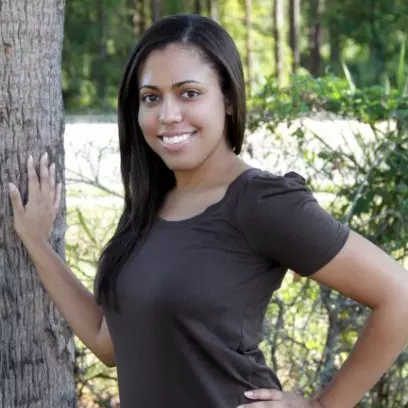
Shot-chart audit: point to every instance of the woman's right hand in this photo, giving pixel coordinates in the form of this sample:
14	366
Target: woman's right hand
35	220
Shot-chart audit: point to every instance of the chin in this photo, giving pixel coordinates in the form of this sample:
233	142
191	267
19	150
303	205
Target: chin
187	164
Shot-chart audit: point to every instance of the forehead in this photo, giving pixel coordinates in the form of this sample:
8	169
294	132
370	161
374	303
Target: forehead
175	63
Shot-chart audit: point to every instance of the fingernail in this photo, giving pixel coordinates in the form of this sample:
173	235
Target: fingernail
45	155
249	393
12	187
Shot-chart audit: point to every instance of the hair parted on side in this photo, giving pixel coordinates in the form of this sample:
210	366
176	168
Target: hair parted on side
146	178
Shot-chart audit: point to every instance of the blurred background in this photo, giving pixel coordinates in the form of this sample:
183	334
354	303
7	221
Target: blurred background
327	87
275	37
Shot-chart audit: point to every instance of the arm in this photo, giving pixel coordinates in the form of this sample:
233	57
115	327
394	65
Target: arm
33	223
282	220
73	300
366	274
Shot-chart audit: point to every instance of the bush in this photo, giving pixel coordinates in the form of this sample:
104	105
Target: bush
364	171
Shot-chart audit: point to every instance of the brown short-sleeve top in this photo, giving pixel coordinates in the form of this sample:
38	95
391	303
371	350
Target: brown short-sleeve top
193	297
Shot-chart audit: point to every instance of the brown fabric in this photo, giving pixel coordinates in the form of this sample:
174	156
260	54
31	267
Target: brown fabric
193	298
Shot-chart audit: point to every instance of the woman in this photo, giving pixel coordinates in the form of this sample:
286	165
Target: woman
203	242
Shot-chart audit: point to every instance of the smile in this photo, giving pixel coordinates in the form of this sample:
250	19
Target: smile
176	141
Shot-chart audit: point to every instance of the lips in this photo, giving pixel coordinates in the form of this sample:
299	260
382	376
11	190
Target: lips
175	141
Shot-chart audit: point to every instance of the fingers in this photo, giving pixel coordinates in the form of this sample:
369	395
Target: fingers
33	183
265	395
44	175
262	395
57	201
52	182
15	198
46	184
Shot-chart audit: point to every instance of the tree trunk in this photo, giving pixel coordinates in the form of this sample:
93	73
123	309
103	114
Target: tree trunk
335	48
294	24
316	34
100	65
37	350
142	17
278	35
248	54
212	6
156	10
137	17
197	6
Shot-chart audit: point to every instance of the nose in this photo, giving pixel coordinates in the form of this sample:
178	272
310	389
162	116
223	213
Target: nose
170	112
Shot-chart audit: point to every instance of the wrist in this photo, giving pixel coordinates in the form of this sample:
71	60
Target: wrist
35	244
319	403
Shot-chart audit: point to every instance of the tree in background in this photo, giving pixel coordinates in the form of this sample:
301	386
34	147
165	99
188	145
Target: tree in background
248	48
156	10
316	8
294	25
314	35
213	9
36	352
278	16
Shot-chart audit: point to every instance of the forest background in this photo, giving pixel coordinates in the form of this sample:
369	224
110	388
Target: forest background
328	97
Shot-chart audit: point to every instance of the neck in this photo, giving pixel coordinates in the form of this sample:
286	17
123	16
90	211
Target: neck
212	170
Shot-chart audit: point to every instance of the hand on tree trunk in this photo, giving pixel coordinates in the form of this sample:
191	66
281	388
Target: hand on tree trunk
35	220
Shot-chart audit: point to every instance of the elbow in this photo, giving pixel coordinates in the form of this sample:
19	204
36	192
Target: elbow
105	356
108	361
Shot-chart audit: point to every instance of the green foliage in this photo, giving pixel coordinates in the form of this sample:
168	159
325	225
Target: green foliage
97	44
90	228
99	37
365	172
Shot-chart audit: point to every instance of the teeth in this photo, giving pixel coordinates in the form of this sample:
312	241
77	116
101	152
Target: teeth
176	139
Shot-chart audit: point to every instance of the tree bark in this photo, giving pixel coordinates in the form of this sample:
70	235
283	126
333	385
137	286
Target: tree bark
278	36
294	24
248	54
36	345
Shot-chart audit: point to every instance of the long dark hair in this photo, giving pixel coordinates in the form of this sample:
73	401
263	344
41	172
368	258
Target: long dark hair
146	179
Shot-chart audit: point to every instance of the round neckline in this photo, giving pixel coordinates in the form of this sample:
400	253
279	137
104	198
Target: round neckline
163	223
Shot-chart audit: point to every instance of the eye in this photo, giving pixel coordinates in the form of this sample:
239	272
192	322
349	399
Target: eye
149	98
190	93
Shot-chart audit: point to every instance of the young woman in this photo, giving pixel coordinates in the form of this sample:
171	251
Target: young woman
203	242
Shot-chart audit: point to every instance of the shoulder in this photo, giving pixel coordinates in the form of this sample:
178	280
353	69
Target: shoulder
264	187
281	218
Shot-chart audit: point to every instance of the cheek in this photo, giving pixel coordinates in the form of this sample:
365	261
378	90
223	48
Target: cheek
148	121
211	116
211	113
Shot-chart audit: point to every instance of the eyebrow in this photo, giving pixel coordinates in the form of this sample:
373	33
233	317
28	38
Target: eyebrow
175	85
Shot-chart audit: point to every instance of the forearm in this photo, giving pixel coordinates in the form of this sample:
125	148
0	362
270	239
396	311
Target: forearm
383	338
75	302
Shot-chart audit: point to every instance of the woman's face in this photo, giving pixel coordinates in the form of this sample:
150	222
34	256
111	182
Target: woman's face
182	109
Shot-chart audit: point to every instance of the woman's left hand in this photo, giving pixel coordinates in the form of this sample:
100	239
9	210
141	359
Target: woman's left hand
276	399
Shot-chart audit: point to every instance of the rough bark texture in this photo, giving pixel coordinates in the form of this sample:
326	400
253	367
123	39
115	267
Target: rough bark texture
36	346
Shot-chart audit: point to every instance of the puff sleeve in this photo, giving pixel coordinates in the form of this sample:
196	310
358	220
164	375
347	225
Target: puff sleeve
281	219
